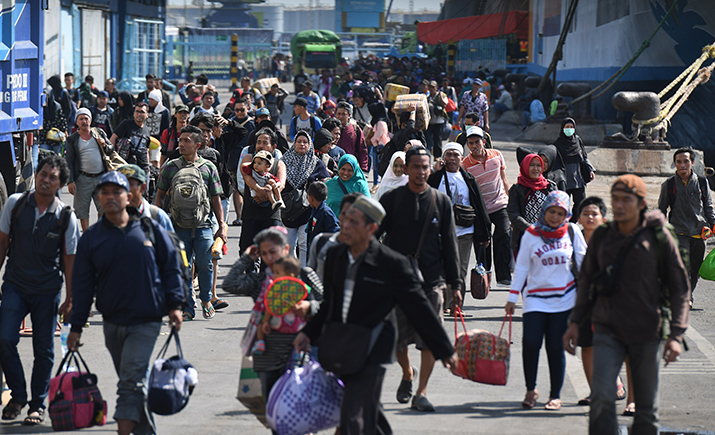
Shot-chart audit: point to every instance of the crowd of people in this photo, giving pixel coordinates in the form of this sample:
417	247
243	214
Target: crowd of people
385	262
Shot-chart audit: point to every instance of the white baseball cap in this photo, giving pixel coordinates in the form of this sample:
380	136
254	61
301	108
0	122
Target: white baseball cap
474	130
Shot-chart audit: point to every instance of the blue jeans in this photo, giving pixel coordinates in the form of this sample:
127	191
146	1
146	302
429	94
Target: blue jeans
198	248
644	359
375	161
298	236
131	348
538	325
43	313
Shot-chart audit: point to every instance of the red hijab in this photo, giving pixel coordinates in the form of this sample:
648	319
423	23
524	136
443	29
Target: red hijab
528	182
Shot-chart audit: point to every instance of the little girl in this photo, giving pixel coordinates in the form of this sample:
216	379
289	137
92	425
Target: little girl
258	170
288	323
544	276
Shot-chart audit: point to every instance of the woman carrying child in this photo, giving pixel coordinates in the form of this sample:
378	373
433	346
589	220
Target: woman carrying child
544	276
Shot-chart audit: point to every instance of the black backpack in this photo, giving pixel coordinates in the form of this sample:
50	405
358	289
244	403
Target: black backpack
670	189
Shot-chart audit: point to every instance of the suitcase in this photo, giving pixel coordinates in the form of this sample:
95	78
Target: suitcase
422	115
392	91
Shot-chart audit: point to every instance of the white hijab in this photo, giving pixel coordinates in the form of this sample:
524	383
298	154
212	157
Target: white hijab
158	97
390	180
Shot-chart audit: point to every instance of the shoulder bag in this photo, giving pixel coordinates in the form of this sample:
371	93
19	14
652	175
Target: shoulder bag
464	215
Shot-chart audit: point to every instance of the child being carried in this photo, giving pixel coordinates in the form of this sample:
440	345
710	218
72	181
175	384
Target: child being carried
258	169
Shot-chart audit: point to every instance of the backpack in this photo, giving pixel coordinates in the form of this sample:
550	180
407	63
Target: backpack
189	203
184	268
62	223
670	189
172	380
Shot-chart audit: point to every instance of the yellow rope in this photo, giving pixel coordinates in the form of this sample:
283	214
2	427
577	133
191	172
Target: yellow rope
672	104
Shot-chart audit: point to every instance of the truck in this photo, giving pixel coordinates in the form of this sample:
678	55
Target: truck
314	50
21	91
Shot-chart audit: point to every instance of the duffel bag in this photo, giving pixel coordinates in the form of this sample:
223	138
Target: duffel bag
483	356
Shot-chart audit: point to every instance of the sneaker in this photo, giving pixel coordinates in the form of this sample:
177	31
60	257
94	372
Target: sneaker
504	282
422	404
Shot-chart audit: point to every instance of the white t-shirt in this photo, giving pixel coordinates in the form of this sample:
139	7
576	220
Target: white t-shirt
459	192
90	158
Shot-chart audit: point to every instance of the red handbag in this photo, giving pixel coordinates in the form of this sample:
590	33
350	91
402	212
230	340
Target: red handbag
75	400
483	357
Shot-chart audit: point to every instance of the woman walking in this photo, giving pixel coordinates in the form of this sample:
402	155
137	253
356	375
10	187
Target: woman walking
544	276
579	169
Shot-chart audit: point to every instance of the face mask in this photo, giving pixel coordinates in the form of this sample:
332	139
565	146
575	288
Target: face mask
569	131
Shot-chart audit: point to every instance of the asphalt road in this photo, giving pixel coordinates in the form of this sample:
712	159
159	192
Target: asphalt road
463	407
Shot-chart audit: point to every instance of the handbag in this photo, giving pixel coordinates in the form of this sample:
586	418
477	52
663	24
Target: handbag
171	381
75	400
305	399
480	282
483	356
464	215
707	269
112	160
55	135
296	203
250	392
584	167
249	335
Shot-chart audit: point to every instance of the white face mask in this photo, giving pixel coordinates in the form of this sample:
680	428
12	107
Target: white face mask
569	131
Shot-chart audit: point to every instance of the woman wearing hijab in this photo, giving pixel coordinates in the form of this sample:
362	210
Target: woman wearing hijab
378	136
526	197
124	111
302	168
544	276
554	169
578	170
350	178
395	175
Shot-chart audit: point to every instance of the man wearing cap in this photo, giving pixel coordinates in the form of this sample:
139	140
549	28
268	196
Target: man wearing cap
352	141
303	119
477	102
207	105
37	258
86	164
132	304
504	102
364	280
170	136
408	209
101	113
311	98
137	187
489	168
132	139
624	306
462	188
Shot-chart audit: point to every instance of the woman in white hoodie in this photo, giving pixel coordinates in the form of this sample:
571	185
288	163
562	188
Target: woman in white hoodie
545	277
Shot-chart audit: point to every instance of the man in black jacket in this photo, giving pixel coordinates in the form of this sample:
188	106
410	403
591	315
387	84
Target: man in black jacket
462	188
437	258
364	280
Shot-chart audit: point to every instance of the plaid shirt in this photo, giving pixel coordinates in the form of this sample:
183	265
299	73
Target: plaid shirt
478	105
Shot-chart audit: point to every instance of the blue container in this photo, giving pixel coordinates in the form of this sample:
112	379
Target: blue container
21	78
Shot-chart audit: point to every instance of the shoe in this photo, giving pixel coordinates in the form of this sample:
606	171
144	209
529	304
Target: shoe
553	405
34	417
220	304
279	204
621	393
404	391
530	399
630	409
236	223
209	312
586	401
422	404
504	282
187	317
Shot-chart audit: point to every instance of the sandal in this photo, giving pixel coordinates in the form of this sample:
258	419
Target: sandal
630	409
530	399
586	401
209	312
621	393
187	316
220	304
553	405
34	417
404	391
12	410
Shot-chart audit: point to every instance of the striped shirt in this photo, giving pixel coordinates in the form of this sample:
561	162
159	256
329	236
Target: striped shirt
488	175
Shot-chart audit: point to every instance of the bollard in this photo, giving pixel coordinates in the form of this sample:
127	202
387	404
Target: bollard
582	109
644	105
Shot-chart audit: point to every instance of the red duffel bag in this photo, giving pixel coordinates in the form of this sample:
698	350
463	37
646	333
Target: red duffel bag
483	356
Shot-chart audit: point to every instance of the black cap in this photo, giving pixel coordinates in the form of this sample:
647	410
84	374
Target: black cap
307	83
300	101
416	151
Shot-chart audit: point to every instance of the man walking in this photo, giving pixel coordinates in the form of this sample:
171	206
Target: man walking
86	164
489	168
691	210
462	188
39	237
193	196
363	281
303	120
131	138
419	223
625	305
132	304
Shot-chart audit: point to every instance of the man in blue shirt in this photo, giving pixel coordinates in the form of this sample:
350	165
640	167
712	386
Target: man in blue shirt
37	247
132	304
